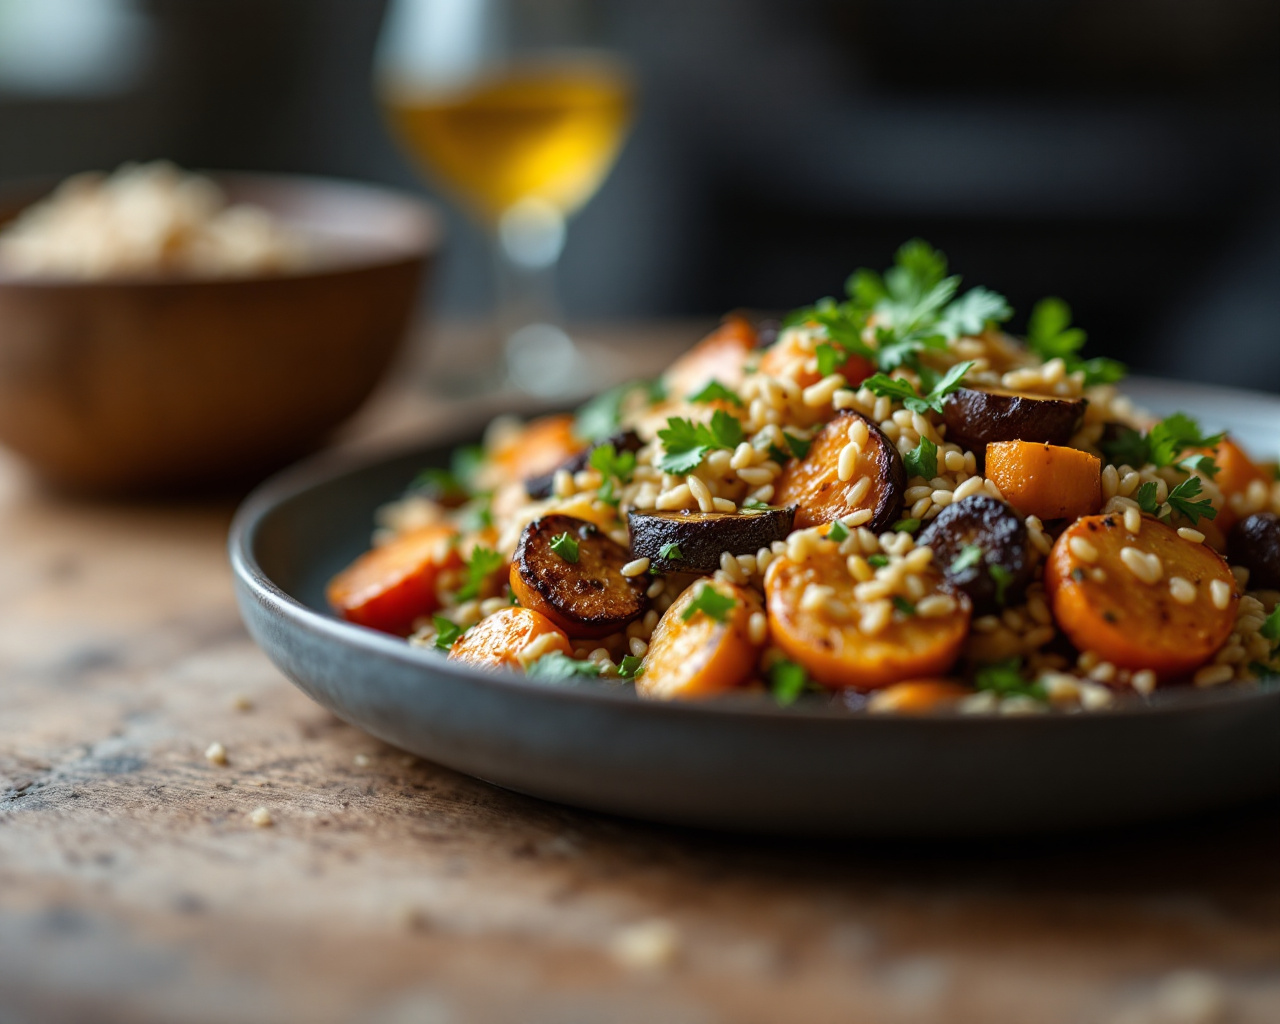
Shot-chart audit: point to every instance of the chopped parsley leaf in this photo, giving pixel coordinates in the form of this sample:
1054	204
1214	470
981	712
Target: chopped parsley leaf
670	552
715	392
447	632
1128	448
557	666
711	603
902	391
922	460
878	561
798	445
903	605
754	505
609	462
828	359
1164	445
1270	627
1005	679
1201	465
1181	500
630	667
438	485
787	680
480	566
970	555
1050	337
906	526
685	443
566	547
838	531
1146	498
602	416
1002	578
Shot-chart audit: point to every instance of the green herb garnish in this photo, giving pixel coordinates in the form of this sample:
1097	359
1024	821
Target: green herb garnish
670	552
838	531
566	547
970	555
685	443
1146	498
1201	465
447	632
828	359
601	417
755	505
906	526
922	460
902	390
1050	337
1270	627
1002	578
711	603
714	391
479	567
557	666
630	668
1005	678
877	561
798	445
787	681
1164	445
903	605
1181	499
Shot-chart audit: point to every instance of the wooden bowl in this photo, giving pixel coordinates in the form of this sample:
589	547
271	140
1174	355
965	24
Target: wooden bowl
129	384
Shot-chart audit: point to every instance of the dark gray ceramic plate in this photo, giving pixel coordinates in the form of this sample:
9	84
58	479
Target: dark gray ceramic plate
739	763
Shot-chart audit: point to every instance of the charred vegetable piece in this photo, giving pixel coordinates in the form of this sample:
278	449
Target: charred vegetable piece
1150	601
536	448
976	417
571	571
394	584
721	356
980	544
836	650
702	646
693	541
540	486
1046	480
813	483
1255	543
501	639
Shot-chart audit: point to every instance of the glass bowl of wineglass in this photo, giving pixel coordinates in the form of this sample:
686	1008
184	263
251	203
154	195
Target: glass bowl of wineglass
518	109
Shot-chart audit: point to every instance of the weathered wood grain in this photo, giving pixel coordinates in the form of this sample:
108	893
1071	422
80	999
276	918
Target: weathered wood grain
133	886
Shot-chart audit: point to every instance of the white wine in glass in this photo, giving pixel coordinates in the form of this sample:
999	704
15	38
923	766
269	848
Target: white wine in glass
511	107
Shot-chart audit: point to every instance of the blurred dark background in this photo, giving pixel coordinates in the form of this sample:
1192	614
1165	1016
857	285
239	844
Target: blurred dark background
1124	154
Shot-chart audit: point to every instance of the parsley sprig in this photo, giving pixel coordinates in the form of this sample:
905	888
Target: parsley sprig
447	632
715	392
903	391
482	564
557	666
1005	679
685	443
1050	337
922	460
711	603
1164	445
1182	499
614	467
566	547
788	680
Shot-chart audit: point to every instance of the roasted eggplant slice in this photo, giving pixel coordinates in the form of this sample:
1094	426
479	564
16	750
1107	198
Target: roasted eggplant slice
980	544
813	483
540	486
975	418
571	572
693	541
1255	543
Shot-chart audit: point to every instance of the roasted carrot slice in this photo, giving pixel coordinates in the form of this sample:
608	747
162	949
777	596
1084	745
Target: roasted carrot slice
503	637
813	483
537	447
917	696
828	637
571	572
784	352
1151	601
1237	472
702	646
1046	480
390	586
720	356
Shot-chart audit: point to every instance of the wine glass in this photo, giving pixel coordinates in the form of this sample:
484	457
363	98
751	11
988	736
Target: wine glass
516	109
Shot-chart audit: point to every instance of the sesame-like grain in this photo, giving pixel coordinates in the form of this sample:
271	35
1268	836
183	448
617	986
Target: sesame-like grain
1220	592
1195	536
1182	589
1133	521
1146	567
636	567
757	628
1213	675
1083	549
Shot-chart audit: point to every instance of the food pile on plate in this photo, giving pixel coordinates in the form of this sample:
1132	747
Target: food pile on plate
888	496
147	220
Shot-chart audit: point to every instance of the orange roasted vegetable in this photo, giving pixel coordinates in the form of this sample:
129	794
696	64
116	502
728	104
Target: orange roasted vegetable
830	642
390	586
1237	472
1137	621
501	638
708	652
787	349
720	356
1046	480
917	696
536	448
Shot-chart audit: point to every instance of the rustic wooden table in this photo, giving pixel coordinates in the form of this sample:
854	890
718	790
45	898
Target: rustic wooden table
135	887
